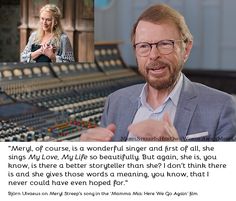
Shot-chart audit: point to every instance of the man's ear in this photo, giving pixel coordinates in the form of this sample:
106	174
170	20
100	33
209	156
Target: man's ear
187	50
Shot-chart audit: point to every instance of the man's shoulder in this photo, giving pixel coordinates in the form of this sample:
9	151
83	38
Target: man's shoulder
209	93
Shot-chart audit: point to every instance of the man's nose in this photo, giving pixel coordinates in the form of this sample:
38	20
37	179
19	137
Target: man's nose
154	53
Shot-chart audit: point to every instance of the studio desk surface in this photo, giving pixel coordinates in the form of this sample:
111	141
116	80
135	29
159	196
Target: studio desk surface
56	102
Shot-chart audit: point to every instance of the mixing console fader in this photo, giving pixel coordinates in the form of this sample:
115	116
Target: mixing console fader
56	102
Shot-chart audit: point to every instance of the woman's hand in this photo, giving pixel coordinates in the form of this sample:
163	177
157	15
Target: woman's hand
49	51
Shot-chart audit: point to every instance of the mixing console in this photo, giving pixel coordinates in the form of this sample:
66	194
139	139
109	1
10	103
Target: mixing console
56	102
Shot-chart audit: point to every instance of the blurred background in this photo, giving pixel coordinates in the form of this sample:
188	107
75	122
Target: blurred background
211	22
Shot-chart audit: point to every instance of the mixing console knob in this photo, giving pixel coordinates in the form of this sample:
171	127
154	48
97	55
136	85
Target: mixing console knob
43	135
12	125
15	139
4	127
22	138
9	133
2	134
29	137
36	135
24	129
16	131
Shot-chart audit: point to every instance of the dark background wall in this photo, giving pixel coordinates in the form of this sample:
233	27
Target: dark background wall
9	34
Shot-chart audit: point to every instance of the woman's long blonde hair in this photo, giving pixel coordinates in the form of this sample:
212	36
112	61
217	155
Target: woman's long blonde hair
56	28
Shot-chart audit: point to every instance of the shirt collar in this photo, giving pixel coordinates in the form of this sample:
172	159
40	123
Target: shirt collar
175	93
173	96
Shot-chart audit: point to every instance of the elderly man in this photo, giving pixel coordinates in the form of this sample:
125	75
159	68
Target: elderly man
168	107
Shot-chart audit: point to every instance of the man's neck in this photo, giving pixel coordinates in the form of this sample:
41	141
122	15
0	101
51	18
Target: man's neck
156	97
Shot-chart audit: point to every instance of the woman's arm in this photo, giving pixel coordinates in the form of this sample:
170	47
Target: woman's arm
65	53
26	54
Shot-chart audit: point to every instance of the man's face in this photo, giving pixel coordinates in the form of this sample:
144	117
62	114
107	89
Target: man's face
161	70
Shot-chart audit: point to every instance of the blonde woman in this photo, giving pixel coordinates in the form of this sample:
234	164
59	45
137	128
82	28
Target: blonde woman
48	43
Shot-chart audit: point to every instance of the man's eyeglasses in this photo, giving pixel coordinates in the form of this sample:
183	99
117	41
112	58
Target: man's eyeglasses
143	49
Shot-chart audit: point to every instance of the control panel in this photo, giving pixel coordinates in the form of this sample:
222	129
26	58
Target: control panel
58	101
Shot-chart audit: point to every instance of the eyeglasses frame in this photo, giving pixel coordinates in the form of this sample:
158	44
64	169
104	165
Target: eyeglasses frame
156	44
